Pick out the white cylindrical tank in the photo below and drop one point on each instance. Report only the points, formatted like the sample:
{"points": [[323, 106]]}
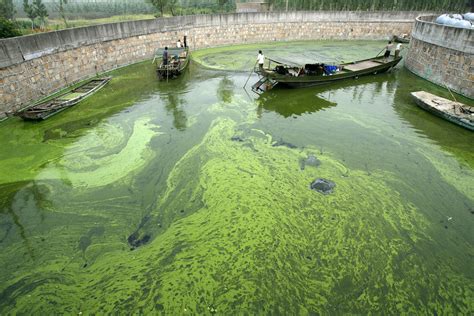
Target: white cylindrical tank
{"points": [[462, 23], [469, 16], [442, 19]]}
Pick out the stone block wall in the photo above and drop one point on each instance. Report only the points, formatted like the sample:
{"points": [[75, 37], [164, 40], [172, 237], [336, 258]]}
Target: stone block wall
{"points": [[34, 66], [443, 55]]}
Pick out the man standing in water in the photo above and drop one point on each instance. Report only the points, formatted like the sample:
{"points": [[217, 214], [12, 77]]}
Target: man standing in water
{"points": [[260, 59]]}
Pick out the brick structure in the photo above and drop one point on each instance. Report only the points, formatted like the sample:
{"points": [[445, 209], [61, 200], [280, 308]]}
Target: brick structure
{"points": [[34, 66], [443, 55]]}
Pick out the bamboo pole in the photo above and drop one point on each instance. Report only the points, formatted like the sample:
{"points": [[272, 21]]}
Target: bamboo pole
{"points": [[251, 72]]}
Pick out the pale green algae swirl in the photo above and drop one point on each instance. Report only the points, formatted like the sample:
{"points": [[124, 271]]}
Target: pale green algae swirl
{"points": [[105, 154]]}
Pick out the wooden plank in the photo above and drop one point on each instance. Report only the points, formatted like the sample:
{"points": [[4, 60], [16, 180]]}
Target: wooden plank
{"points": [[362, 65]]}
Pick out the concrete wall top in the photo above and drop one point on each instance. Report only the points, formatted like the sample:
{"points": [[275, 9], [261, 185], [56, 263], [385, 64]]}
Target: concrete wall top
{"points": [[451, 37], [18, 49]]}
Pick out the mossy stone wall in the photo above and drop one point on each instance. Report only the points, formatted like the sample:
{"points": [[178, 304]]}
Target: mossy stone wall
{"points": [[443, 55]]}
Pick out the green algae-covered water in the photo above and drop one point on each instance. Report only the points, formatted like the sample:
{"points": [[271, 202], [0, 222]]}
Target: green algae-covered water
{"points": [[210, 187]]}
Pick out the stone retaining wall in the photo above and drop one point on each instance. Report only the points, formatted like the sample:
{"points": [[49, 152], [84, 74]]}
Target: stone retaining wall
{"points": [[443, 55], [34, 66]]}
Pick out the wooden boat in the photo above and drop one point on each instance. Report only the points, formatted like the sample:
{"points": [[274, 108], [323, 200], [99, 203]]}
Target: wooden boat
{"points": [[43, 110], [454, 112], [178, 60], [316, 74], [400, 39]]}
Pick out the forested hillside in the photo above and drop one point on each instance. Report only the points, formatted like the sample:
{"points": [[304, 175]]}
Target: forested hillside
{"points": [[403, 5], [104, 8]]}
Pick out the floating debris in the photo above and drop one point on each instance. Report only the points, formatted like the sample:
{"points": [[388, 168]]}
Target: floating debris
{"points": [[237, 139], [311, 160], [135, 241], [323, 186], [283, 143]]}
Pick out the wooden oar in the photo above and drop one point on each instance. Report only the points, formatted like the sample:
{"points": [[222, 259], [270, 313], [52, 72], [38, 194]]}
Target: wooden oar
{"points": [[451, 93], [251, 72], [380, 52]]}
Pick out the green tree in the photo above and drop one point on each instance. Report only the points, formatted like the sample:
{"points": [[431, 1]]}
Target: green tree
{"points": [[222, 3], [171, 5], [62, 12], [159, 5], [41, 11], [37, 9], [163, 6], [30, 12], [7, 9], [7, 28]]}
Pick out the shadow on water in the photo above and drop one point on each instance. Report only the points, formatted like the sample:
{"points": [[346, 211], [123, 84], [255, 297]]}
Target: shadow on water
{"points": [[294, 102], [297, 102], [23, 201], [225, 90], [173, 94], [176, 95]]}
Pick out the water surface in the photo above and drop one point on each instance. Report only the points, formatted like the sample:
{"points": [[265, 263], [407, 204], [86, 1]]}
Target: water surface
{"points": [[215, 183]]}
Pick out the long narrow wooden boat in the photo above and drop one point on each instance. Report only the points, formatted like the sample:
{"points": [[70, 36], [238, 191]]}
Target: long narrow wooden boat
{"points": [[401, 39], [455, 112], [178, 60], [43, 110], [316, 74]]}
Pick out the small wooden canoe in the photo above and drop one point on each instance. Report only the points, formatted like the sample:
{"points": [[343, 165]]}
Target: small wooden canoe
{"points": [[401, 39], [316, 74], [178, 60], [63, 101], [454, 112]]}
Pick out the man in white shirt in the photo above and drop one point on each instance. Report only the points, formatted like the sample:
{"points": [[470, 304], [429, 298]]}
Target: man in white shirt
{"points": [[398, 49], [260, 59], [178, 44]]}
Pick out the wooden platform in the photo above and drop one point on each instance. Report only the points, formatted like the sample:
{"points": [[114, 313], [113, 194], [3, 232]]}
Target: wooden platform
{"points": [[362, 65]]}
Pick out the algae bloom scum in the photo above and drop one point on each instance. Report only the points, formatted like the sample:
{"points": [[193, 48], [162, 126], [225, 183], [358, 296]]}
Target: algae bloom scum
{"points": [[194, 197]]}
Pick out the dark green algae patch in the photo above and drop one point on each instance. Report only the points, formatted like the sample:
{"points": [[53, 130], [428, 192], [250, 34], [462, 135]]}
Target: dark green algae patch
{"points": [[214, 179]]}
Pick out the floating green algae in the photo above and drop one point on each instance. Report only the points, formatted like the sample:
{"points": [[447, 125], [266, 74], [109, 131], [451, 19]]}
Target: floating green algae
{"points": [[213, 177], [261, 241], [105, 155], [244, 57], [257, 206]]}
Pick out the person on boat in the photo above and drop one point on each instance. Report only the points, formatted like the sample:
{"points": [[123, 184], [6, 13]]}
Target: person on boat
{"points": [[398, 49], [319, 69], [388, 49], [165, 56], [178, 44], [260, 59]]}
